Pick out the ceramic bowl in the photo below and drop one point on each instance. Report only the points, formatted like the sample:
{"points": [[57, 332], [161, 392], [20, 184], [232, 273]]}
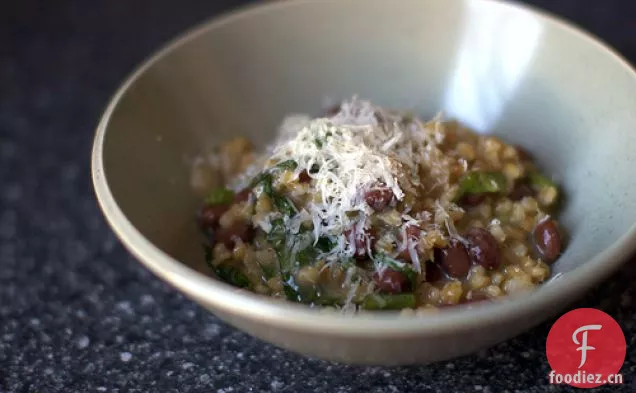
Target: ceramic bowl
{"points": [[500, 68]]}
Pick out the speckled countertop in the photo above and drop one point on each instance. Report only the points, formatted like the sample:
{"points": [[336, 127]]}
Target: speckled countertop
{"points": [[78, 314]]}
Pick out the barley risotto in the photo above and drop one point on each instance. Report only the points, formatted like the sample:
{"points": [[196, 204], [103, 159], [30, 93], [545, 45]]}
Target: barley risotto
{"points": [[369, 208]]}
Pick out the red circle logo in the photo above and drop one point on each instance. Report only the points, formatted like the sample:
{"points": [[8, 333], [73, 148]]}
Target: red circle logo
{"points": [[585, 348]]}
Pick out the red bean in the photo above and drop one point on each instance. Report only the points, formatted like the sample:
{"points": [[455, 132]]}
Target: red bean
{"points": [[379, 198], [547, 240], [210, 215], [405, 255], [413, 232], [453, 259], [391, 281], [332, 110], [472, 200], [520, 190], [433, 272], [304, 177], [483, 248], [359, 240], [238, 230], [243, 195]]}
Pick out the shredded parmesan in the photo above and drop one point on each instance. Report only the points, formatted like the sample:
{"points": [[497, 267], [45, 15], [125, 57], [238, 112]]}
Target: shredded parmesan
{"points": [[355, 150]]}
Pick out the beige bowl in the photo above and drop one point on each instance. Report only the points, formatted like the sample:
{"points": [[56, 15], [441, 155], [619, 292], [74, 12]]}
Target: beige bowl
{"points": [[500, 68]]}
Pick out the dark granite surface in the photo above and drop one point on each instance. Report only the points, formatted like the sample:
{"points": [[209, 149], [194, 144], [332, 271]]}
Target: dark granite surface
{"points": [[78, 314]]}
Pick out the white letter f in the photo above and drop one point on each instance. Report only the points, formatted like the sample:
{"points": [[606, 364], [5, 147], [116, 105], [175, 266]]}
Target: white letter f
{"points": [[584, 347]]}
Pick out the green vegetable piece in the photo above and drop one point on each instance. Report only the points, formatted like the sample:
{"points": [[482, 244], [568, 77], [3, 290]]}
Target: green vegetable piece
{"points": [[482, 183], [277, 235], [219, 196], [348, 263], [232, 276], [258, 179], [277, 238], [320, 142], [539, 180], [267, 181], [389, 302], [306, 256], [289, 164], [283, 204], [325, 244]]}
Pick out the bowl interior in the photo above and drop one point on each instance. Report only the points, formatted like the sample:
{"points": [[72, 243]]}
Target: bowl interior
{"points": [[498, 68]]}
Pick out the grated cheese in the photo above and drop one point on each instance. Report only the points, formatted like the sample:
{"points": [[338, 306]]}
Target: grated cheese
{"points": [[350, 153]]}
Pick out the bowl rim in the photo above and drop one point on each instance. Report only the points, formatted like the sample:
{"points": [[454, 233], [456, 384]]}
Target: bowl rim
{"points": [[233, 301]]}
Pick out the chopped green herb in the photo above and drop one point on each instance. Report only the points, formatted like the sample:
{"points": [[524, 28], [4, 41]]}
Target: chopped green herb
{"points": [[289, 164], [348, 263], [314, 169], [264, 178], [283, 204], [481, 183], [276, 236], [232, 276], [320, 142], [306, 256], [267, 182], [219, 196], [257, 179], [325, 244], [305, 252], [389, 302]]}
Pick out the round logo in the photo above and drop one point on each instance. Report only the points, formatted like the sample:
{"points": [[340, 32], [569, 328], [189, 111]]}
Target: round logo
{"points": [[585, 348]]}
